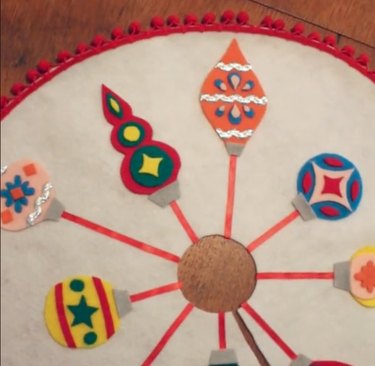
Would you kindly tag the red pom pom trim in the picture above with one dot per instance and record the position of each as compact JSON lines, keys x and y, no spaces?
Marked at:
{"x":32,"y":75}
{"x":98,"y":41}
{"x":242,"y":18}
{"x":266,"y":22}
{"x":17,"y":88}
{"x":44,"y":66}
{"x":363,"y":59}
{"x":82,"y":48}
{"x":278,"y":24}
{"x":63,"y":56}
{"x":46,"y":70}
{"x":134,"y":28}
{"x":190,"y":19}
{"x":117,"y":33}
{"x":348,"y":51}
{"x":314,"y":36}
{"x":330,"y":40}
{"x":208,"y":19}
{"x":298,"y":29}
{"x":173,"y":21}
{"x":3,"y":101}
{"x":227,"y":17}
{"x":157,"y":22}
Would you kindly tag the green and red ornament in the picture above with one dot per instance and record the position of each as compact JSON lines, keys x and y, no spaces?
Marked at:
{"x":150,"y":167}
{"x":329,"y":187}
{"x":84,"y":311}
{"x":27,"y":196}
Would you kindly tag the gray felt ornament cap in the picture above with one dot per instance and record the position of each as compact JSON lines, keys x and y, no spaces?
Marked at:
{"x":301,"y":360}
{"x":223,"y":357}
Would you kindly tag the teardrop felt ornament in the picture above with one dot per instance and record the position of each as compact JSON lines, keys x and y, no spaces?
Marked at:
{"x":233,"y":99}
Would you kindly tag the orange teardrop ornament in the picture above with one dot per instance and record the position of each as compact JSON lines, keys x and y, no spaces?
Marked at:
{"x":233,"y":99}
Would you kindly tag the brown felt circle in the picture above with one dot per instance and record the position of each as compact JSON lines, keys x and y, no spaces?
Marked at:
{"x":217,"y":274}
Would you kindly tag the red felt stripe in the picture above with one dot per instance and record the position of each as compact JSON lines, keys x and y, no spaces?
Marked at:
{"x":120,"y":237}
{"x":183,"y":221}
{"x":275,"y":337}
{"x":222,"y":332}
{"x":155,"y":291}
{"x":230,"y":196}
{"x":108,"y":320}
{"x":273,"y":230}
{"x":62,"y":317}
{"x":168,"y":334}
{"x":295,"y":276}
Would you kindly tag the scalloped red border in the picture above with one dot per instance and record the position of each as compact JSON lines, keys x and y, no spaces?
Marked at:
{"x":228,"y":22}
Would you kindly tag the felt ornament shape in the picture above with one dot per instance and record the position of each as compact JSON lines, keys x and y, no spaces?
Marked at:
{"x":84,"y":311}
{"x":233,"y":99}
{"x":27,"y":196}
{"x":357,"y":276}
{"x":150,"y":167}
{"x":329,"y":187}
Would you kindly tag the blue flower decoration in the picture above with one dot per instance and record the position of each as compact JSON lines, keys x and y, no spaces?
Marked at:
{"x":15,"y":198}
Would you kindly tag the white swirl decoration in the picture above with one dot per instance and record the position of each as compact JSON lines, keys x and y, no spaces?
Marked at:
{"x":234,"y":98}
{"x":4,"y":168}
{"x":233,"y":65}
{"x":234,"y":133}
{"x":40,"y":201}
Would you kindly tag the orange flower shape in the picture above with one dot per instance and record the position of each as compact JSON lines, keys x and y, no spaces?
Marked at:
{"x":367,"y":276}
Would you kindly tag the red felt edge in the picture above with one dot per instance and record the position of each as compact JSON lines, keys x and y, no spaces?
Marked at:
{"x":268,"y":27}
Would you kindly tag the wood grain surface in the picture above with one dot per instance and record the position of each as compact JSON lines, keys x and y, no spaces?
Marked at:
{"x":38,"y":29}
{"x":217,"y":274}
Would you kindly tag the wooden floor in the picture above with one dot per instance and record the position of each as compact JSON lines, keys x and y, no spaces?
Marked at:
{"x":37,"y":29}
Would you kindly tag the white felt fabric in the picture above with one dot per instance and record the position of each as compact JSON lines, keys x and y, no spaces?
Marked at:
{"x":316,"y":104}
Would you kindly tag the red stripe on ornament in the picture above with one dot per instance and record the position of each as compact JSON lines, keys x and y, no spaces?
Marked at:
{"x":62,"y":317}
{"x":306,"y":182}
{"x":329,"y":211}
{"x":110,"y":329}
{"x":354,"y":190}
{"x":336,"y":163}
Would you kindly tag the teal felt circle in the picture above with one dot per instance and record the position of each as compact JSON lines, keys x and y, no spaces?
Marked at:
{"x":90,"y":338}
{"x":127,"y":142}
{"x":77,"y":285}
{"x":148,"y":178}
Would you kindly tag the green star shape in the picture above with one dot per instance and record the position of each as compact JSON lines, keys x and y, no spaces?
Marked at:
{"x":82,"y":313}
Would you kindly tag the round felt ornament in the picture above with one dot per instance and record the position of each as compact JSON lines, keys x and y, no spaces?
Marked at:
{"x":27,"y":196}
{"x":84,"y":311}
{"x":330,"y":185}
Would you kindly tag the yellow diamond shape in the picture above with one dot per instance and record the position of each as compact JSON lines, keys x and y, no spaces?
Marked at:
{"x":150,"y":165}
